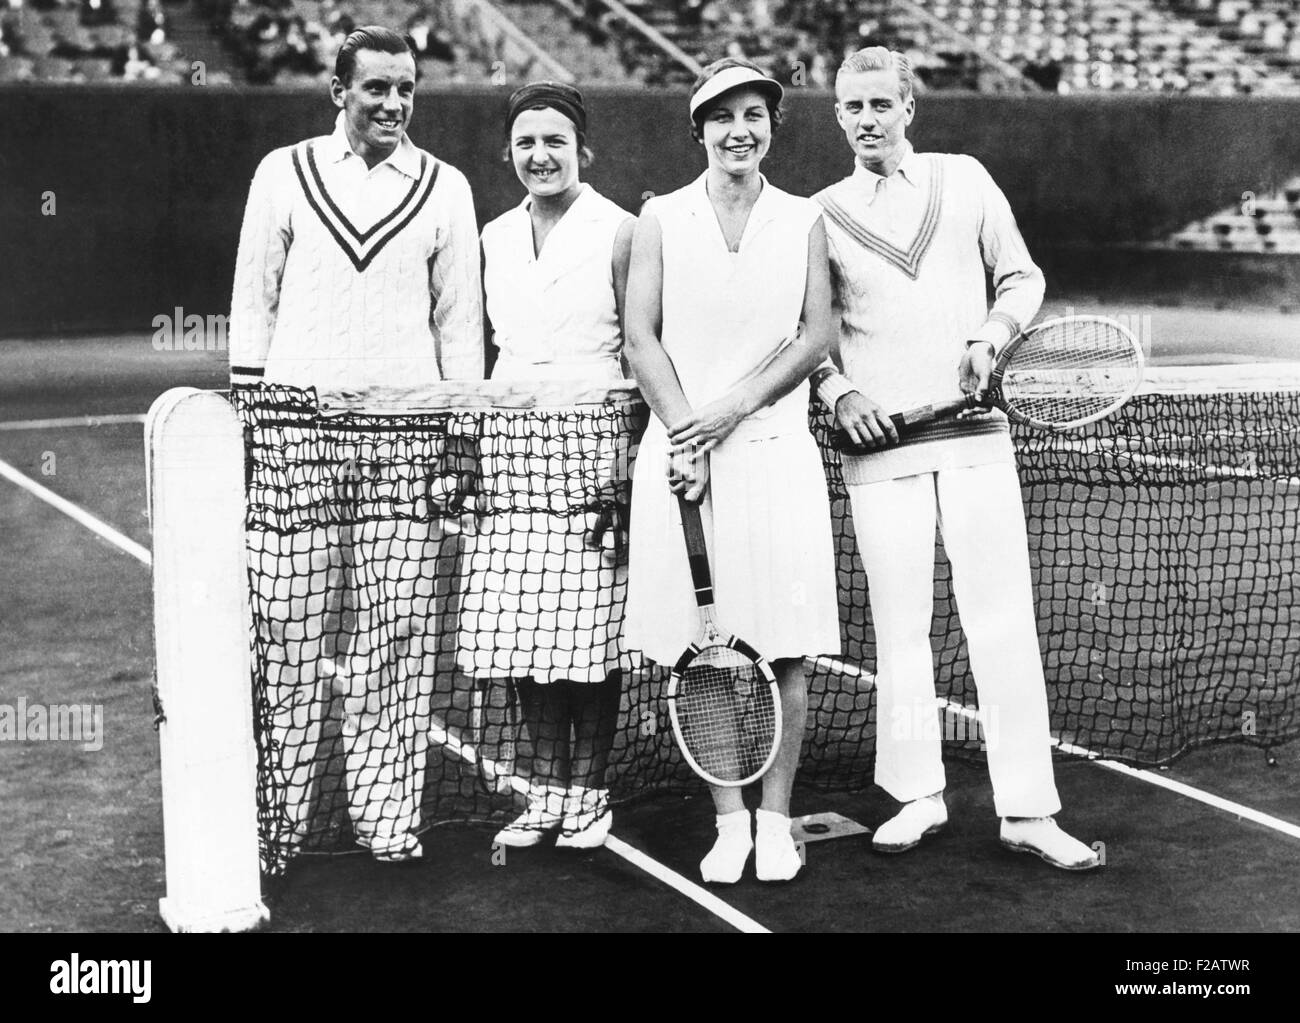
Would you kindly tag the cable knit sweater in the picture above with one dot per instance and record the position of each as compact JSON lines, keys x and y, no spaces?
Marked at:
{"x":351,"y":277}
{"x":908,"y":257}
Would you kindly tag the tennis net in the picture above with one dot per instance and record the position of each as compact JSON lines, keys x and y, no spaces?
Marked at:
{"x":408,"y":564}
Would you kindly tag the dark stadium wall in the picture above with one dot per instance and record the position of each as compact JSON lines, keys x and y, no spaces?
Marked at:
{"x":118,"y":204}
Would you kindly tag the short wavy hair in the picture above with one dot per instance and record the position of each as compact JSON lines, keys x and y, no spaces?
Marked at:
{"x":368,"y":37}
{"x":879,"y":58}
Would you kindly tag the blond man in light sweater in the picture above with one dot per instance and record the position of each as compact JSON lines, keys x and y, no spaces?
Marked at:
{"x":911,"y":237}
{"x":358,"y":271}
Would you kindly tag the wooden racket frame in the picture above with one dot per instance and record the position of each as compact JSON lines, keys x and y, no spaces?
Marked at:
{"x":713,"y":634}
{"x":912,"y":420}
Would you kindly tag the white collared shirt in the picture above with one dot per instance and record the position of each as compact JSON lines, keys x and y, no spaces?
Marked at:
{"x":898,"y":201}
{"x":554,"y":313}
{"x":365,"y":194}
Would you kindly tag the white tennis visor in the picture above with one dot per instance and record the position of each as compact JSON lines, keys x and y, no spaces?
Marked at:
{"x":734,"y":78}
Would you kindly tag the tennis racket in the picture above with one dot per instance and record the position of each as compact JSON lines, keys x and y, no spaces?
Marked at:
{"x":722,"y":697}
{"x":1056,"y":376}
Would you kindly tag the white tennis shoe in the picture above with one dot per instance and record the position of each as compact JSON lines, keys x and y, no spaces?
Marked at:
{"x":545,"y":813}
{"x":587,"y":819}
{"x":726,"y":860}
{"x":1043,"y":837}
{"x":407,"y":850}
{"x":916,"y":820}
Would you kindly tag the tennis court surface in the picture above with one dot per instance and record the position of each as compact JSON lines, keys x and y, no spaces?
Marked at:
{"x":1171,"y":620}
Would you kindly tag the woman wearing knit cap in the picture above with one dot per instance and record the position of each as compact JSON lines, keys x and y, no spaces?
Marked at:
{"x":728,"y":314}
{"x":555,"y":273}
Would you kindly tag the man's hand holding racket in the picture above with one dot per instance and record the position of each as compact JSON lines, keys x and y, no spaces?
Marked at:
{"x":974,"y":373}
{"x":864,"y":422}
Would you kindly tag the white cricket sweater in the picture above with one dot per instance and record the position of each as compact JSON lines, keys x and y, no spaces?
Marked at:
{"x":351,"y":277}
{"x":908,"y":258}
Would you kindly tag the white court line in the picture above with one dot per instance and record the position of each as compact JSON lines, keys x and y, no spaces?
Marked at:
{"x":700,"y":896}
{"x":445,"y":736}
{"x":1140,"y":774}
{"x":76,"y":513}
{"x":54,"y":424}
{"x":1201,"y":796}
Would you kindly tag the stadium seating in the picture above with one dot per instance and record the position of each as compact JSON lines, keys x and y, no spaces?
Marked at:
{"x":1058,"y":45}
{"x":93,"y":40}
{"x":1269,"y":29}
{"x":1267,"y":222}
{"x":1111,"y":45}
{"x":585,"y":46}
{"x":1214,"y":47}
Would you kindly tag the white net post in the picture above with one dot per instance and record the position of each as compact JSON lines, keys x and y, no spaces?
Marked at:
{"x":195,"y":469}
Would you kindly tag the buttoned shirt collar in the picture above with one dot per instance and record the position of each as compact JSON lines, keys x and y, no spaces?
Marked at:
{"x":910,"y":169}
{"x":335,"y":148}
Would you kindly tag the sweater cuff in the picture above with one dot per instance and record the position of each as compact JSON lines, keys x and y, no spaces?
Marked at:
{"x":832,"y":388}
{"x":997,"y":330}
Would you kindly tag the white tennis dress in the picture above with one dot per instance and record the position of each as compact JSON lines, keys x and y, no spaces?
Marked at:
{"x":766,"y":514}
{"x":538,"y":600}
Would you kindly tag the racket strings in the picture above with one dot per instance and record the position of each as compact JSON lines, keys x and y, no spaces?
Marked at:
{"x":1071,"y":371}
{"x":726,"y":714}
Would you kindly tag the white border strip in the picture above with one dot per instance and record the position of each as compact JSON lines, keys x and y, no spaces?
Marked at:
{"x":1267,"y":377}
{"x":1164,"y":461}
{"x":77,"y":514}
{"x":55,"y":424}
{"x":843,"y":667}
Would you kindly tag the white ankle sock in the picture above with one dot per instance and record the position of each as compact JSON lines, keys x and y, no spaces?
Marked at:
{"x":776,"y":858}
{"x":726,"y":860}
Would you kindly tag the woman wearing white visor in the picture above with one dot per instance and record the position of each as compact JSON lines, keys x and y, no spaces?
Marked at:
{"x":728,"y":313}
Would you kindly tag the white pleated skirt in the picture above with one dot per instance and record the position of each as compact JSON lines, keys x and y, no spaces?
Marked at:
{"x":768,"y":529}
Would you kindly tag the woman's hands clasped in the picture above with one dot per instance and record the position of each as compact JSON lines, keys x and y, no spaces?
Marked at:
{"x":709,"y":425}
{"x":693,"y":437}
{"x":688,"y":472}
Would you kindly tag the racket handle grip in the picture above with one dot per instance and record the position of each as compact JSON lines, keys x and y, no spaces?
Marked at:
{"x":907,"y":423}
{"x":914,"y":419}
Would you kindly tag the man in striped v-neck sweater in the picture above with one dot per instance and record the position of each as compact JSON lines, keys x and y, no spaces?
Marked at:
{"x":910,"y":237}
{"x":358,"y":270}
